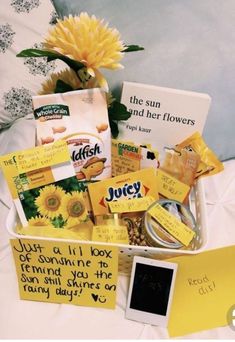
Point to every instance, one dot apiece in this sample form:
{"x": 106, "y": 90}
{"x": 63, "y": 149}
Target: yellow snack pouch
{"x": 209, "y": 164}
{"x": 182, "y": 165}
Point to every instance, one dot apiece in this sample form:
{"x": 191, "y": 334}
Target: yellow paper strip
{"x": 131, "y": 205}
{"x": 171, "y": 224}
{"x": 42, "y": 156}
{"x": 170, "y": 187}
{"x": 110, "y": 234}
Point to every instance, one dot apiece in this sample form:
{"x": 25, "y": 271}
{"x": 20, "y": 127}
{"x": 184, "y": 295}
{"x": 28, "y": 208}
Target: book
{"x": 162, "y": 117}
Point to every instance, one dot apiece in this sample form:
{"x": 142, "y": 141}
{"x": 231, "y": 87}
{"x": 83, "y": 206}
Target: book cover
{"x": 162, "y": 117}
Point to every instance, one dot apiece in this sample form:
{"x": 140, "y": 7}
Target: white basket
{"x": 126, "y": 252}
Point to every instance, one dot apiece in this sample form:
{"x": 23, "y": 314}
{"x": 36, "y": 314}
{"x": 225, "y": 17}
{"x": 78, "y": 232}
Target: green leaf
{"x": 118, "y": 111}
{"x": 75, "y": 65}
{"x": 58, "y": 222}
{"x": 62, "y": 87}
{"x": 132, "y": 48}
{"x": 114, "y": 128}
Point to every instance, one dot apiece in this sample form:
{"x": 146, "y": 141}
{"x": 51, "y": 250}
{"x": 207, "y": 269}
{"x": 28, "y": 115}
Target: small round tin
{"x": 156, "y": 235}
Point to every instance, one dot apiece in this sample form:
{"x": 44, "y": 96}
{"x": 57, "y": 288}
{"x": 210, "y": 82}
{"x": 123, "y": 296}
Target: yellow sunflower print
{"x": 49, "y": 201}
{"x": 73, "y": 208}
{"x": 40, "y": 221}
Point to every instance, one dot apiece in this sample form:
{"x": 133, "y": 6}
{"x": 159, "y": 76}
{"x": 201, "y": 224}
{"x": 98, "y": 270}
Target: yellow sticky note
{"x": 61, "y": 272}
{"x": 42, "y": 156}
{"x": 204, "y": 291}
{"x": 131, "y": 205}
{"x": 110, "y": 234}
{"x": 170, "y": 187}
{"x": 174, "y": 226}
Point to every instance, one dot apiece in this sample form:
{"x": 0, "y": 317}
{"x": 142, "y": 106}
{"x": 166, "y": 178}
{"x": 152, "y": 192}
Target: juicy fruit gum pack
{"x": 81, "y": 119}
{"x": 132, "y": 185}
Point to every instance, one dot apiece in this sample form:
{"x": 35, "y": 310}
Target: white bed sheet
{"x": 36, "y": 320}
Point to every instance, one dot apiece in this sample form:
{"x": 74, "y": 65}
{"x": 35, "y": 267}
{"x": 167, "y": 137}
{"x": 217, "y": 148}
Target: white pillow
{"x": 23, "y": 24}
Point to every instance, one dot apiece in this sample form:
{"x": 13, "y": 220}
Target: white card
{"x": 151, "y": 290}
{"x": 162, "y": 117}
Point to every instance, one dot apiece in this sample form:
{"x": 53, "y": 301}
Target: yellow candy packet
{"x": 182, "y": 165}
{"x": 209, "y": 164}
{"x": 131, "y": 185}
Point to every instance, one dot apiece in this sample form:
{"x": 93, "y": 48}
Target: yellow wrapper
{"x": 132, "y": 185}
{"x": 209, "y": 164}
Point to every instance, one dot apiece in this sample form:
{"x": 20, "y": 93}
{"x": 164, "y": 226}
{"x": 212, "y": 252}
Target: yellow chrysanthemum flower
{"x": 73, "y": 209}
{"x": 68, "y": 76}
{"x": 40, "y": 221}
{"x": 49, "y": 200}
{"x": 88, "y": 40}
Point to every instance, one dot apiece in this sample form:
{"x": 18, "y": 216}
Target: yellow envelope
{"x": 204, "y": 291}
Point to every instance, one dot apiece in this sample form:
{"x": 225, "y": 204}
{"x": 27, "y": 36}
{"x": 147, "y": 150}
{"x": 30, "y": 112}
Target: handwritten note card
{"x": 204, "y": 291}
{"x": 110, "y": 234}
{"x": 170, "y": 187}
{"x": 42, "y": 156}
{"x": 131, "y": 205}
{"x": 59, "y": 272}
{"x": 173, "y": 225}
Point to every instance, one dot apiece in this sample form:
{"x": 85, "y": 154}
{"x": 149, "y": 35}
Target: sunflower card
{"x": 44, "y": 187}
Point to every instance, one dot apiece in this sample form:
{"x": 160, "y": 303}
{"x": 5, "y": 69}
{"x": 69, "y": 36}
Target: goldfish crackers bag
{"x": 81, "y": 118}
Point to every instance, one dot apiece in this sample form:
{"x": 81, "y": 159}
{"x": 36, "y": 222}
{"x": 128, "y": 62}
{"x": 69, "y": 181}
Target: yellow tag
{"x": 110, "y": 234}
{"x": 131, "y": 205}
{"x": 170, "y": 187}
{"x": 42, "y": 156}
{"x": 62, "y": 272}
{"x": 171, "y": 224}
